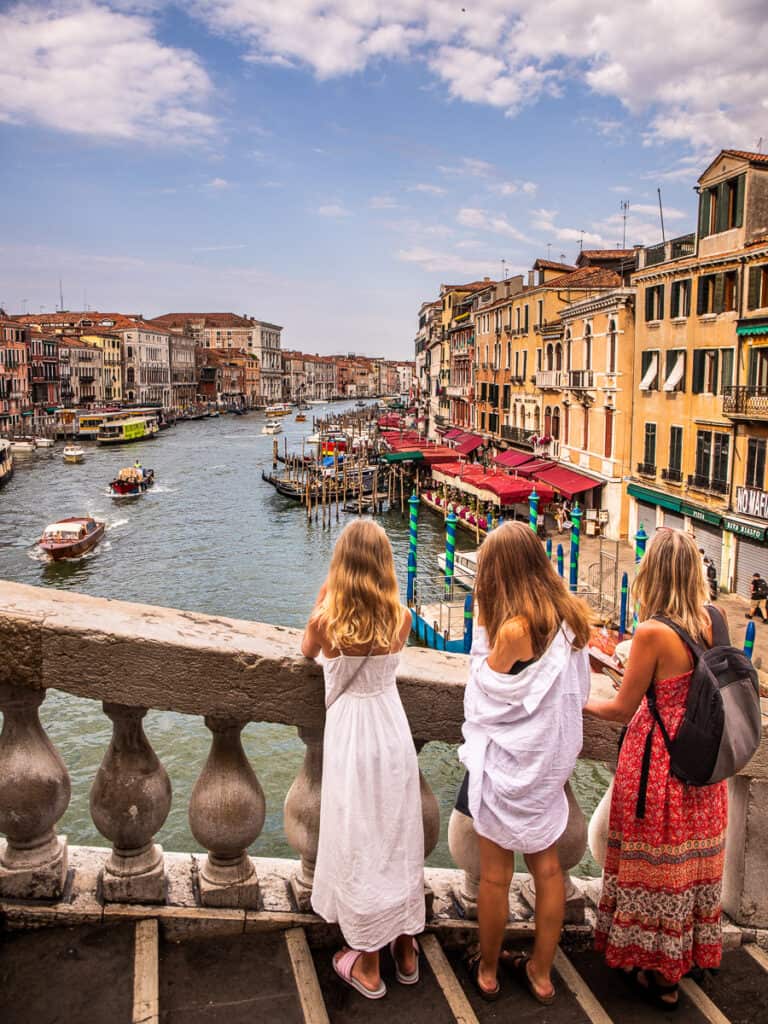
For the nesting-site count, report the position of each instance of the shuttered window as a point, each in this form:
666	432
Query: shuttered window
680	299
705	364
654	302
649	445
720	451
722	207
703	453
726	368
608	449
674	374
757	290
755	472
525	321
676	448
704	202
705	295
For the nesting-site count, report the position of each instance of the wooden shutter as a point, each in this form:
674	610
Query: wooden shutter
674	300
649	304
741	182
660	309
608	450
719	302
753	294
704	214
701	293
697	384
721	210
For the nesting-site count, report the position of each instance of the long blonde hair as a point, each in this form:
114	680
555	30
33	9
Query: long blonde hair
670	582
361	606
515	578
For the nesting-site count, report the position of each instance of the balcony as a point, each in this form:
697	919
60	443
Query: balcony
457	391
646	469
746	402
550	380
519	436
672	475
580	380
714	485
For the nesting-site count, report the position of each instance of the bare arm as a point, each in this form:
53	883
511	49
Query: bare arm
638	676
311	642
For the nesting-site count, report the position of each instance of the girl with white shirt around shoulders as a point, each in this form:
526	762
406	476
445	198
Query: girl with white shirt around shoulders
369	873
528	682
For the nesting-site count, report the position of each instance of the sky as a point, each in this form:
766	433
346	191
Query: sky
327	165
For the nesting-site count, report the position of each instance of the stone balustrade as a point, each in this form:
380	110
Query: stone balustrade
133	657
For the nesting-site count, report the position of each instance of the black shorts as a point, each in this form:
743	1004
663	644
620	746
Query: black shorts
462	798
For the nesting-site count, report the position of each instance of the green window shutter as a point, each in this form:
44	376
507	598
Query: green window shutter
674	299
649	304
704	214
741	183
719	293
726	368
716	363
721	210
701	296
753	294
660	310
697	384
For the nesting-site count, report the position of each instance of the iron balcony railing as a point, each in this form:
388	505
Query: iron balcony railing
646	468
701	482
747	400
580	379
517	435
672	475
685	245
654	254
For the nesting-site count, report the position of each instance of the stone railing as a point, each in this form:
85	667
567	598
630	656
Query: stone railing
134	657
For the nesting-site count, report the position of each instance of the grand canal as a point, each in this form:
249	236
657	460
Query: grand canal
212	537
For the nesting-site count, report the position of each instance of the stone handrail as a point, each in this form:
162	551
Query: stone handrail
133	657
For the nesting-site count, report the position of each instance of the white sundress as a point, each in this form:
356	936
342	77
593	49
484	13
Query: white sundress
369	874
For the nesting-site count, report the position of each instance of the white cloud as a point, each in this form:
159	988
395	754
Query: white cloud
511	188
218	184
434	190
383	203
77	66
652	210
333	210
446	262
506	53
470	167
470	217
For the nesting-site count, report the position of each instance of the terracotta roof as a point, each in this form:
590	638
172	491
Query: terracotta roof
743	154
77	343
586	277
208	319
472	286
606	254
552	265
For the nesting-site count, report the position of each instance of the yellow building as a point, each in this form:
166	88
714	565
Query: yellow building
111	346
701	373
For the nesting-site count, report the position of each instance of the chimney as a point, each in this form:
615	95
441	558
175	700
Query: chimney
531	278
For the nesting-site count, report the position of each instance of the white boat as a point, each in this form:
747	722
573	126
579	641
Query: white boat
464	567
73	453
6	461
23	444
44	442
317	401
272	427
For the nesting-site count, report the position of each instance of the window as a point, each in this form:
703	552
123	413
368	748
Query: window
726	368
517	319
676	450
730	291
722	206
525	364
755	472
587	347
757	294
680	298
612	347
649	371
540	312
703	454
674	372
720	452
556	423
585	446
717	293
509	355
649	445
705	362
654	302
705	295
608	450
538	358
566	423
525	320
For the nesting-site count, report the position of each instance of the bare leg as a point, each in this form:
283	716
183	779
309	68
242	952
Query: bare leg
548	917
405	954
497	866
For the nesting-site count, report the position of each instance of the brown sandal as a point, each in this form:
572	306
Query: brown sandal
473	969
517	964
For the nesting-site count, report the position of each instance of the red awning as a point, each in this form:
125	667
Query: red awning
468	443
438	454
449	435
534	467
567	481
513	457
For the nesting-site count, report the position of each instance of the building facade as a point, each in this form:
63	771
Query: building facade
266	347
146	363
112	347
15	396
44	379
82	373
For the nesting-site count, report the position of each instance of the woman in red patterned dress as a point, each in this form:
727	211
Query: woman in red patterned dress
659	910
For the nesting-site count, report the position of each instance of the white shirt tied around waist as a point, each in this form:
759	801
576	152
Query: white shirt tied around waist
522	736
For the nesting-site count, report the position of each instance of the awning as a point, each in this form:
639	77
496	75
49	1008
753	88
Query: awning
404	456
567	481
654	497
468	443
513	457
743	329
533	467
676	373
650	373
449	435
703	515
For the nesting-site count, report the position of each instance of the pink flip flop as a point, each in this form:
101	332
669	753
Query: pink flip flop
343	964
406	979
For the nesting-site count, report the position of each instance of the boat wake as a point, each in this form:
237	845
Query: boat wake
117	522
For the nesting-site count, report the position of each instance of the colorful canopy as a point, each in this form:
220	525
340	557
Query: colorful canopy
566	481
534	467
468	443
513	457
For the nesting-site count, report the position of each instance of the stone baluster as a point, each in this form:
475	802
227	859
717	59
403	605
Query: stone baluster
465	851
34	793
745	879
301	816
599	823
130	800
430	818
226	815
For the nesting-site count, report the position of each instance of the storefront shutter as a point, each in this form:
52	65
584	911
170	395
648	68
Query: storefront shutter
674	520
753	294
711	540
751	557
704	214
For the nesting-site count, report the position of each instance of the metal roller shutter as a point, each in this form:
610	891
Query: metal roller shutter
751	557
673	519
711	539
646	516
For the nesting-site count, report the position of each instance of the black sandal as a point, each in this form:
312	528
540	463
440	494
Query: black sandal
654	991
473	969
517	964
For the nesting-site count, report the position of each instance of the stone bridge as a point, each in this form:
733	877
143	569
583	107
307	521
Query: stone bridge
135	933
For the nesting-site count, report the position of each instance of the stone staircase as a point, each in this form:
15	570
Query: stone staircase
130	972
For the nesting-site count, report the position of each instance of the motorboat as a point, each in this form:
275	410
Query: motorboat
301	418
317	401
71	537
279	409
272	427
6	461
23	444
132	481
44	442
360	404
73	453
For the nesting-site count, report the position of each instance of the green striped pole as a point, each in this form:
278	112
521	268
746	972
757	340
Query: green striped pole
533	511
450	551
575	544
641	540
413	522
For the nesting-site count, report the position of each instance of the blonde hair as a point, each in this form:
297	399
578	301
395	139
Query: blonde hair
361	606
515	578
670	582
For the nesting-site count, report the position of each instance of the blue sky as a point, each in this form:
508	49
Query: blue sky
327	165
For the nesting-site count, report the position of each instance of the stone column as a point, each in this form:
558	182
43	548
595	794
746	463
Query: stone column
301	816
462	842
130	800
226	815
430	819
745	881
597	834
34	793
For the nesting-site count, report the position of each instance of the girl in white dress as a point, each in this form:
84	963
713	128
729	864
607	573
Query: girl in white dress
528	682
369	874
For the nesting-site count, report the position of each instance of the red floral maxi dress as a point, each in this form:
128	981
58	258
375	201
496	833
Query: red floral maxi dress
660	903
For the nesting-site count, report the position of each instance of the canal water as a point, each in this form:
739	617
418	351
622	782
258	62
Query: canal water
212	537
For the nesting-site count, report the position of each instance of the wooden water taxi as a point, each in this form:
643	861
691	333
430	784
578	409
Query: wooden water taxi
73	453
6	461
301	418
44	442
71	537
132	481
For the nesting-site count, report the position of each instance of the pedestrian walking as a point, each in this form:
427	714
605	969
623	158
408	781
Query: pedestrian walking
528	682
757	595
659	909
369	874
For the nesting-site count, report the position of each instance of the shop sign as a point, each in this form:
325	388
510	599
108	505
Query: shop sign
752	502
703	515
744	529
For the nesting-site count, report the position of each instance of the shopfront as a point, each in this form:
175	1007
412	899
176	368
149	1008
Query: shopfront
750	527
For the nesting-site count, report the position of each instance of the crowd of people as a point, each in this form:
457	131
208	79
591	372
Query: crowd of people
527	690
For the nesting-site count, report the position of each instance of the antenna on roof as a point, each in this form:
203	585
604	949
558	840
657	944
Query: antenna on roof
61	296
661	216
624	204
581	240
549	249
760	144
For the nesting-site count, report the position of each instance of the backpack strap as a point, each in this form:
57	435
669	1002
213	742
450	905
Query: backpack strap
720	635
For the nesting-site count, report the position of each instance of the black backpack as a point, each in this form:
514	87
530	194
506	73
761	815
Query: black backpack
759	589
722	726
